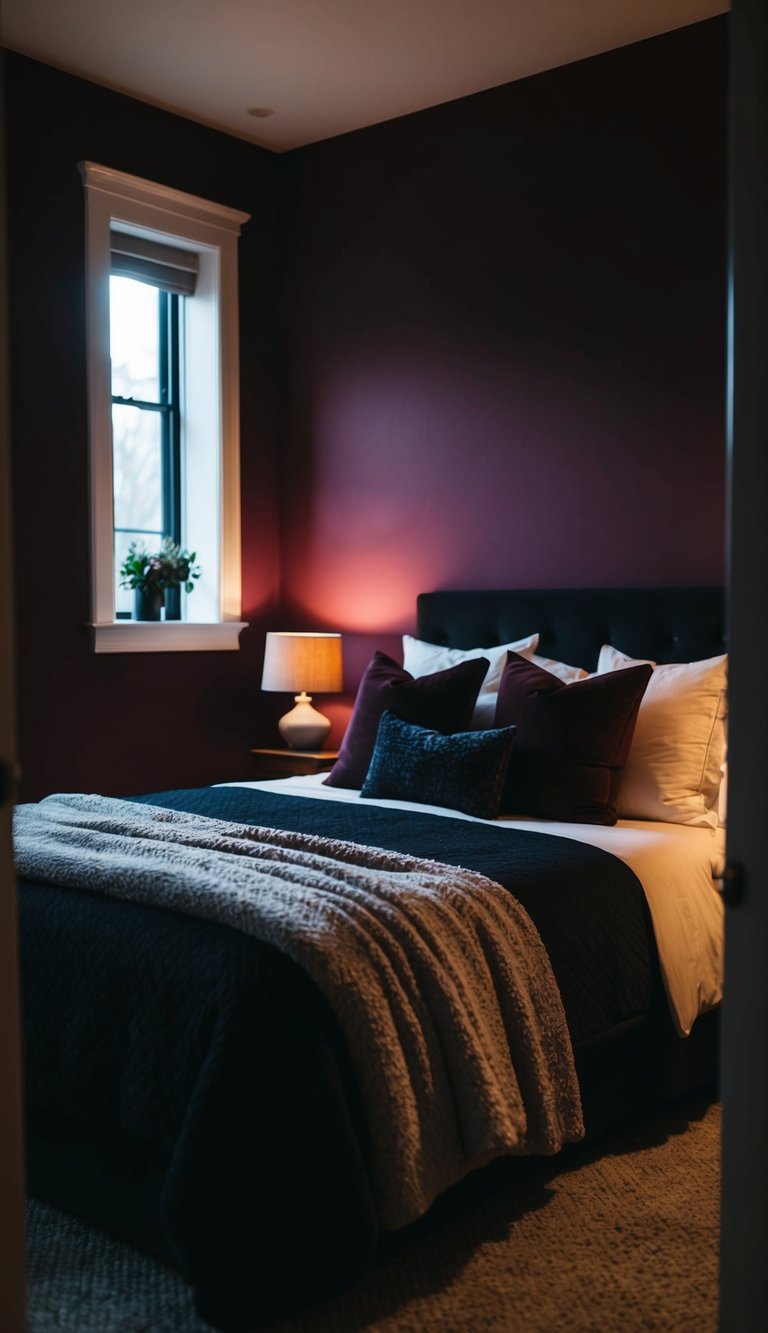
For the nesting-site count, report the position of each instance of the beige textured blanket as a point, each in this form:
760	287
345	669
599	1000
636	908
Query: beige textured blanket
437	976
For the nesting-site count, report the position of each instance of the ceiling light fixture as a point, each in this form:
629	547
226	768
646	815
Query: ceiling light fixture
261	112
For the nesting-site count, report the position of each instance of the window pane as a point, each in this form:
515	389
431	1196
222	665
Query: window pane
136	443
134	334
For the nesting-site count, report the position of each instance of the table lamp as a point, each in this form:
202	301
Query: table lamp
301	662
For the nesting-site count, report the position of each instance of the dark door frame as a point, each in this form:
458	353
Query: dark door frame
744	1218
11	1141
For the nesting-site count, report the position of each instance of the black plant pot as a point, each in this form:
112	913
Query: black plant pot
147	603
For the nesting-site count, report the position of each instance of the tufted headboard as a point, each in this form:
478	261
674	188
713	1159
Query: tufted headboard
665	624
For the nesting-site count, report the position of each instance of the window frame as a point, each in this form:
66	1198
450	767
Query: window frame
212	230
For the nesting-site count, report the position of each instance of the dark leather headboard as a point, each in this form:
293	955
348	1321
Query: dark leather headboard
665	624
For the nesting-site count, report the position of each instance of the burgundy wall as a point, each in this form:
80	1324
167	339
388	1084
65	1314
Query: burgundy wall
121	723
506	341
500	362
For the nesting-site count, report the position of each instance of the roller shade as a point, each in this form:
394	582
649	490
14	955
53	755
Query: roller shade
164	266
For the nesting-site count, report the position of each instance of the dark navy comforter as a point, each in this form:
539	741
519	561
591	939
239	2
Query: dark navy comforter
188	1087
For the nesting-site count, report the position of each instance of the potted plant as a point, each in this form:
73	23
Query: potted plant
149	575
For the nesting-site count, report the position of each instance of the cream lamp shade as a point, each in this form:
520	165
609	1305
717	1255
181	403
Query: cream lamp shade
296	663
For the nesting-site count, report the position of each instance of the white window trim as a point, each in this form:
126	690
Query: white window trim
113	196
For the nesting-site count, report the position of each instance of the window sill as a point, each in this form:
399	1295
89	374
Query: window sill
166	636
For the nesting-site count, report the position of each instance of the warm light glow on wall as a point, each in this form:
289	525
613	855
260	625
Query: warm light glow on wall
374	592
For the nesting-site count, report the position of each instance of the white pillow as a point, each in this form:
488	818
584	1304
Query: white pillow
674	768
422	658
560	669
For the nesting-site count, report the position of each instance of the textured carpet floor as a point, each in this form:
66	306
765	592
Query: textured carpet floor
619	1237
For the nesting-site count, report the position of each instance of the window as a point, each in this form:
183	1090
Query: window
161	270
144	334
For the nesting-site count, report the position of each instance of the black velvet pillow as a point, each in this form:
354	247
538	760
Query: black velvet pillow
443	701
465	771
572	740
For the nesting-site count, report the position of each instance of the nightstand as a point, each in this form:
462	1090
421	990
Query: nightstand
284	763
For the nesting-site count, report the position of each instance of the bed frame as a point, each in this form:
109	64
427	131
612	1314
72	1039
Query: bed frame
664	624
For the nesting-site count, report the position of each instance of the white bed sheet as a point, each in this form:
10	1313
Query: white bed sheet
675	863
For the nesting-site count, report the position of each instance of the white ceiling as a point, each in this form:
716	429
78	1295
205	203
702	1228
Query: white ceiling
323	67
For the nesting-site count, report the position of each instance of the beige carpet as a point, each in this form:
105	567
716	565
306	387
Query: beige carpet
615	1238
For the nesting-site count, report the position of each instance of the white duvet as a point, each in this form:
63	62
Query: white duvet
675	863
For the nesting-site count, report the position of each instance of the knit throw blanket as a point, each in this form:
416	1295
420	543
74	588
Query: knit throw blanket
437	975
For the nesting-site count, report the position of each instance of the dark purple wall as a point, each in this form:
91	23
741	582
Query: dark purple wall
121	723
500	362
505	341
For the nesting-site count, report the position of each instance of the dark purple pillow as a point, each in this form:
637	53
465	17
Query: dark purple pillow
572	740
443	702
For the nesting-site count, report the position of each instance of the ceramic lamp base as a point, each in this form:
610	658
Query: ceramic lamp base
303	728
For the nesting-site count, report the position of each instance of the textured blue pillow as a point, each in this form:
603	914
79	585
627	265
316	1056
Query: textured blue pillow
465	771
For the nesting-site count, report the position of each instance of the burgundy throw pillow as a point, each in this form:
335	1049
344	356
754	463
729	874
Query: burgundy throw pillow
572	740
443	702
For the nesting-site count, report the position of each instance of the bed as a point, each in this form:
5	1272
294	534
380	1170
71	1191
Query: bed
190	1087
